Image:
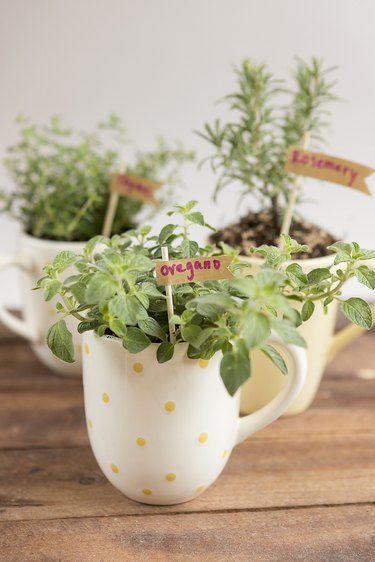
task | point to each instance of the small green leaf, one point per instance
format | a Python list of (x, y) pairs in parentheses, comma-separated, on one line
[(152, 328), (212, 305), (165, 352), (272, 353), (143, 298), (296, 274), (273, 256), (151, 290), (100, 288), (135, 340), (189, 249), (366, 276), (235, 369), (127, 308), (256, 328), (50, 287), (60, 341), (87, 326), (358, 311), (318, 275), (307, 310), (166, 232), (63, 260), (191, 334), (292, 246), (287, 332), (118, 327), (196, 217)]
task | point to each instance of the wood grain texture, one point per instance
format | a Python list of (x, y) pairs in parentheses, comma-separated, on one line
[(334, 534), (59, 483), (41, 409), (302, 489)]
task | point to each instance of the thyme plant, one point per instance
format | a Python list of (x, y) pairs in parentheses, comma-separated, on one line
[(114, 292), (251, 147), (61, 178)]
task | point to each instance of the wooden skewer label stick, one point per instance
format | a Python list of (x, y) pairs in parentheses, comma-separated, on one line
[(132, 187), (112, 205), (293, 196), (169, 295)]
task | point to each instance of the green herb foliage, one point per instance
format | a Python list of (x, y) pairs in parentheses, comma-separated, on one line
[(250, 149), (114, 292), (61, 178)]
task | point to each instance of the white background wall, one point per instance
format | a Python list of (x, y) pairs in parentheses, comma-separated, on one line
[(161, 65)]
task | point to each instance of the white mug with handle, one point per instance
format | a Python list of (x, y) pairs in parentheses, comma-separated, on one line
[(37, 315), (162, 433)]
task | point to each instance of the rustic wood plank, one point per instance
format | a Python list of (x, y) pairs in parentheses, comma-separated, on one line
[(355, 359), (43, 418), (58, 483), (20, 370), (322, 534), (46, 419), (40, 409)]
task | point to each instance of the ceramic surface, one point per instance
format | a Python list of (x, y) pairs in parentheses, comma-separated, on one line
[(39, 315), (162, 433)]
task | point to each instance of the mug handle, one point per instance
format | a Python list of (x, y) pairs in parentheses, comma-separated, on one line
[(297, 374), (19, 326)]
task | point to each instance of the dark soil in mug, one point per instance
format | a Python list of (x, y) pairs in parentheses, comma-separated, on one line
[(256, 229)]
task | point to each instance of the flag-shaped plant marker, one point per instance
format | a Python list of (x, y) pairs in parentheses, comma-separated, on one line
[(192, 270)]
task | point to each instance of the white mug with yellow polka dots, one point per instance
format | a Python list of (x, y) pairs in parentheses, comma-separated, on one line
[(38, 315), (162, 433)]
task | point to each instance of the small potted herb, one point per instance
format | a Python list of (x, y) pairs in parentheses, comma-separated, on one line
[(249, 152), (60, 195), (162, 411)]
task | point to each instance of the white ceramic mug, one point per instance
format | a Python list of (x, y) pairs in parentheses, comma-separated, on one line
[(162, 433), (38, 315)]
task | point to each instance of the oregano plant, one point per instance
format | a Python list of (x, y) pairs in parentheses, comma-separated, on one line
[(114, 292), (61, 177)]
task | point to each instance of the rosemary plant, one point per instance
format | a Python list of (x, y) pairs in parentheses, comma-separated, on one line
[(251, 148)]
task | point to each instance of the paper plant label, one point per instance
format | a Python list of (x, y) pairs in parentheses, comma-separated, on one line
[(141, 189), (193, 270), (324, 167)]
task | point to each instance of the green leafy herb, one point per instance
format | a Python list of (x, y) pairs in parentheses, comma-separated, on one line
[(114, 293), (250, 149), (61, 178)]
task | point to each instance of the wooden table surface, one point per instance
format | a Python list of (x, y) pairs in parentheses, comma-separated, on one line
[(302, 489)]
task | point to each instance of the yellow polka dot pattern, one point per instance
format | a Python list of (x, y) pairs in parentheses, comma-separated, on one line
[(200, 489), (169, 406), (224, 453), (52, 311), (114, 468), (147, 492), (105, 398), (203, 363), (203, 437), (170, 477), (90, 424), (87, 348), (138, 367), (140, 441)]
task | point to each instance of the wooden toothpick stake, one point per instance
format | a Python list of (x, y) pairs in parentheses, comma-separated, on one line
[(293, 195), (112, 206), (169, 295)]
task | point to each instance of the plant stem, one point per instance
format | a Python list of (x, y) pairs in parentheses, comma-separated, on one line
[(293, 195), (333, 291)]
